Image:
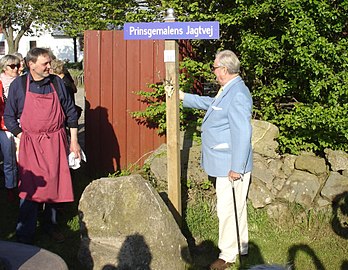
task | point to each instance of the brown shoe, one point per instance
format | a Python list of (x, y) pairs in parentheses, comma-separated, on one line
[(220, 264)]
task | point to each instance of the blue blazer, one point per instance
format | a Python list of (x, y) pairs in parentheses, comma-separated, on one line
[(226, 129)]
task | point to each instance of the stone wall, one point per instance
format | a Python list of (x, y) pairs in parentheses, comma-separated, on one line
[(306, 179)]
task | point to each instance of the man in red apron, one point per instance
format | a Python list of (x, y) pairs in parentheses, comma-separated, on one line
[(43, 110)]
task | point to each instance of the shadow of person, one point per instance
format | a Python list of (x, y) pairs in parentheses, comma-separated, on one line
[(202, 255), (134, 255), (84, 253), (101, 144), (304, 248), (33, 182), (254, 258), (339, 220)]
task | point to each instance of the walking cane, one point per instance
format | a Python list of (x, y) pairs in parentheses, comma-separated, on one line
[(236, 218)]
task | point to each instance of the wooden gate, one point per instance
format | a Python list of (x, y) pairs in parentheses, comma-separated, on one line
[(114, 70)]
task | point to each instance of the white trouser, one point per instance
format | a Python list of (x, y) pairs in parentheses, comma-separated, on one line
[(228, 244), (8, 149)]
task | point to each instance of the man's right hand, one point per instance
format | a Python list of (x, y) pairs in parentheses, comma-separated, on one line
[(181, 95)]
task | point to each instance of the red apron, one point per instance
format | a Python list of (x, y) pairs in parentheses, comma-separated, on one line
[(44, 174)]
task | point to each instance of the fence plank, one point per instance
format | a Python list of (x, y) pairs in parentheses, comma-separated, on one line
[(114, 70)]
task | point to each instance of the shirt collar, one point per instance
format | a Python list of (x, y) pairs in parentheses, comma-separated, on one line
[(42, 82), (230, 81)]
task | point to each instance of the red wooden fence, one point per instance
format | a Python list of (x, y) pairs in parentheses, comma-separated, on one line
[(114, 70)]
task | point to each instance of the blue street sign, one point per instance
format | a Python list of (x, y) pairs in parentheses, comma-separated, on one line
[(171, 30)]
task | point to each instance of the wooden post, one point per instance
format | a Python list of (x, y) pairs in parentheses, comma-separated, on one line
[(171, 59)]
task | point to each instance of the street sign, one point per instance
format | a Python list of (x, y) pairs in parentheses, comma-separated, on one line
[(171, 30)]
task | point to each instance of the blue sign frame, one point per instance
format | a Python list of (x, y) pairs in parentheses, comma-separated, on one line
[(171, 30)]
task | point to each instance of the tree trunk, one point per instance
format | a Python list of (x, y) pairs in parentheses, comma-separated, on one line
[(11, 46), (12, 41)]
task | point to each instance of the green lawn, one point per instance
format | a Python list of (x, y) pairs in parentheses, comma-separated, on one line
[(306, 241)]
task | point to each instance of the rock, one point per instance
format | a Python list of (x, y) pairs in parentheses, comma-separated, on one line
[(191, 165), (278, 184), (279, 212), (336, 184), (263, 138), (157, 163), (261, 172), (259, 194), (288, 164), (312, 164), (322, 203), (125, 224), (338, 159), (301, 187), (275, 166), (28, 257)]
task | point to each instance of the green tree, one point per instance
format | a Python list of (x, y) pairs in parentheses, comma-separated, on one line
[(294, 59), (84, 15), (19, 18)]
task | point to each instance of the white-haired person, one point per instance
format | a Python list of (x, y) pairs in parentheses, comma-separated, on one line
[(9, 65)]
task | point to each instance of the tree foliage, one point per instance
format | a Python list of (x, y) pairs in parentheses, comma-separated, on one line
[(84, 15), (294, 59), (19, 18)]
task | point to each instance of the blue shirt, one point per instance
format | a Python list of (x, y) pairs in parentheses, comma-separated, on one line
[(16, 97)]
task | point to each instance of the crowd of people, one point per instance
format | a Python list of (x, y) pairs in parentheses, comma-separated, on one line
[(37, 110)]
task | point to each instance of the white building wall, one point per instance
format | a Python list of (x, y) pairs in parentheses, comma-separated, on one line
[(62, 47)]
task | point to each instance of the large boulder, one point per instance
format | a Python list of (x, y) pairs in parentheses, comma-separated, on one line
[(126, 225)]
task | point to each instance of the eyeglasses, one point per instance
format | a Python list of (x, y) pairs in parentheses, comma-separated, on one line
[(213, 67), (13, 66)]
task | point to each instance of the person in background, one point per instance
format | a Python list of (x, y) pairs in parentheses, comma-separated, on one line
[(58, 68), (227, 152), (23, 68), (67, 74), (9, 66), (43, 109)]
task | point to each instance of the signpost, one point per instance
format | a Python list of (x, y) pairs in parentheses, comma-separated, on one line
[(170, 31)]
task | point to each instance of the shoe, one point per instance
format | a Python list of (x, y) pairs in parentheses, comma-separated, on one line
[(57, 235), (220, 264)]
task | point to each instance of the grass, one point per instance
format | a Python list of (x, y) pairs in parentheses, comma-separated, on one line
[(306, 240)]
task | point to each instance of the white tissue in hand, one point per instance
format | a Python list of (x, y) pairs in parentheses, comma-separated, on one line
[(74, 163)]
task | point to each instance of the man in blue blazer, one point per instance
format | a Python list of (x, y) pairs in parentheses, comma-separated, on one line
[(227, 152)]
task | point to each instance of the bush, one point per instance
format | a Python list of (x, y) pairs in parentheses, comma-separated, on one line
[(294, 57)]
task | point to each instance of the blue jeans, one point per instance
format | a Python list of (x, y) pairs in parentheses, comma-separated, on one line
[(8, 149), (27, 219)]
